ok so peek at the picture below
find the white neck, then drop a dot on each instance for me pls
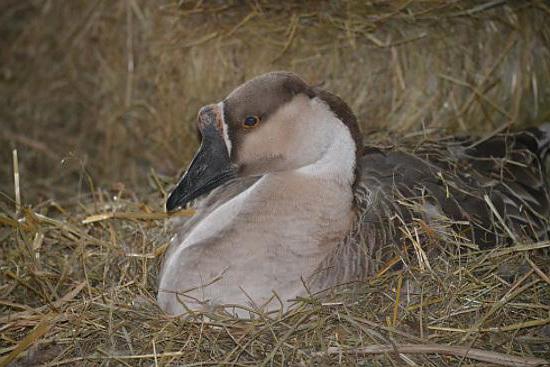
(337, 160)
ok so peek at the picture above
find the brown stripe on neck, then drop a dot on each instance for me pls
(343, 112)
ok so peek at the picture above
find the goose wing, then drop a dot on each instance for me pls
(492, 191)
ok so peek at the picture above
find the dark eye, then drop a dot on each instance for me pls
(251, 121)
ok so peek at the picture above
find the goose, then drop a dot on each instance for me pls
(289, 201)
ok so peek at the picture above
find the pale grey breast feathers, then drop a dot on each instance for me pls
(205, 205)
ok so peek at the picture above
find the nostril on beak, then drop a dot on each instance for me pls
(204, 110)
(207, 116)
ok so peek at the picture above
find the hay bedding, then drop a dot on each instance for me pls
(78, 289)
(78, 274)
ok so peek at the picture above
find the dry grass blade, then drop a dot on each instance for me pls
(16, 184)
(521, 325)
(32, 338)
(477, 354)
(55, 305)
(136, 216)
(537, 270)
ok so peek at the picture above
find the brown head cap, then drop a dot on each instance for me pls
(263, 95)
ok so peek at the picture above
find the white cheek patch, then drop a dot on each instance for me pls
(225, 132)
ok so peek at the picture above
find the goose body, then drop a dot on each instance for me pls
(289, 201)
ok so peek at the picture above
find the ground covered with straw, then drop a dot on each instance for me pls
(79, 289)
(99, 103)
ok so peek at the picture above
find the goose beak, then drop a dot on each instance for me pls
(211, 166)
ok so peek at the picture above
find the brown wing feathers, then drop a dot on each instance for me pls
(493, 191)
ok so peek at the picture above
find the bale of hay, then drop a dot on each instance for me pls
(105, 91)
(99, 93)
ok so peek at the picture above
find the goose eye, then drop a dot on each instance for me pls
(251, 121)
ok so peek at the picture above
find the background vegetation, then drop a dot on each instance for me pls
(110, 89)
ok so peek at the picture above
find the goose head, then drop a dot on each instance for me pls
(275, 122)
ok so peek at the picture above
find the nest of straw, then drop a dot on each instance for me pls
(80, 290)
(98, 94)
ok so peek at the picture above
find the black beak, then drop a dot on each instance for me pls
(211, 166)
